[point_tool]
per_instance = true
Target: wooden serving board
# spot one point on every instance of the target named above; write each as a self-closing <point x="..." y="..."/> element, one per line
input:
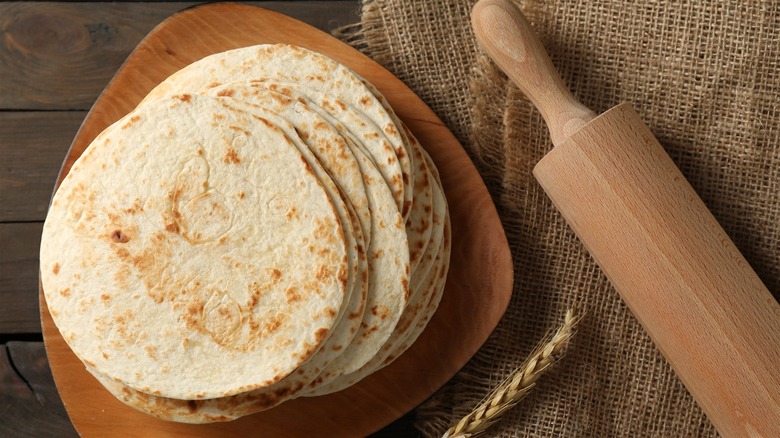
<point x="480" y="277"/>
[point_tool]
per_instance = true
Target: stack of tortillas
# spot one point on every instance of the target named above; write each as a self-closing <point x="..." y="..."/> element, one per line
<point x="261" y="227"/>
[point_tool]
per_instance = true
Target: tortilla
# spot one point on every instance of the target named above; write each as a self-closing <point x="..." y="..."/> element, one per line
<point x="320" y="140"/>
<point x="285" y="163"/>
<point x="427" y="292"/>
<point x="177" y="256"/>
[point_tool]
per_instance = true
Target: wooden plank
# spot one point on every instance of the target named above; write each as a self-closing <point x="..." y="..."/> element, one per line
<point x="29" y="404"/>
<point x="19" y="277"/>
<point x="47" y="416"/>
<point x="32" y="147"/>
<point x="61" y="55"/>
<point x="32" y="407"/>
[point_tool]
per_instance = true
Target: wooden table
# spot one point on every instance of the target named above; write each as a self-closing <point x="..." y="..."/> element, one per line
<point x="55" y="58"/>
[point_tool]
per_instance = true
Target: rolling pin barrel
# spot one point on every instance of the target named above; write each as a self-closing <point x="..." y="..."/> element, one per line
<point x="654" y="238"/>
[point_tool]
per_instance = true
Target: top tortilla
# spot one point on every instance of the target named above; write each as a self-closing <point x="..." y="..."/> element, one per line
<point x="177" y="256"/>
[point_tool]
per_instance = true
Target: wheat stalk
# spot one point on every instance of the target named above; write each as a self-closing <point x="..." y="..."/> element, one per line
<point x="515" y="387"/>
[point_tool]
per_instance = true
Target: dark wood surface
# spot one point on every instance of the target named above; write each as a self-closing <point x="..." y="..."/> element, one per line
<point x="55" y="58"/>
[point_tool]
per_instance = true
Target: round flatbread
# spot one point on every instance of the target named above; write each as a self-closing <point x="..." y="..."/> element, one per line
<point x="171" y="249"/>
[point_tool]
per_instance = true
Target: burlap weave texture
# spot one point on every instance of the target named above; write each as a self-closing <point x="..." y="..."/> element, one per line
<point x="705" y="76"/>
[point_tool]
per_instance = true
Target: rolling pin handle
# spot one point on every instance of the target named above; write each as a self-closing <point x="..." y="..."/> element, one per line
<point x="505" y="35"/>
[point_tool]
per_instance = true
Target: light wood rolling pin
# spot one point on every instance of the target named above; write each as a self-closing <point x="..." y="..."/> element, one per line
<point x="661" y="248"/>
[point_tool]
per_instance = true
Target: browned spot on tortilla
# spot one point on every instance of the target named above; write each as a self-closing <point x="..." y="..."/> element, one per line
<point x="241" y="195"/>
<point x="331" y="311"/>
<point x="122" y="253"/>
<point x="320" y="125"/>
<point x="365" y="101"/>
<point x="226" y="92"/>
<point x="135" y="208"/>
<point x="105" y="355"/>
<point x="323" y="273"/>
<point x="306" y="165"/>
<point x="131" y="121"/>
<point x="194" y="311"/>
<point x="212" y="85"/>
<point x="341" y="105"/>
<point x="272" y="324"/>
<point x="223" y="239"/>
<point x="320" y="334"/>
<point x="369" y="330"/>
<point x="275" y="275"/>
<point x="239" y="129"/>
<point x="405" y="284"/>
<point x="105" y="297"/>
<point x="391" y="131"/>
<point x="65" y="292"/>
<point x="343" y="276"/>
<point x="231" y="156"/>
<point x="264" y="121"/>
<point x="292" y="295"/>
<point x="292" y="213"/>
<point x="172" y="227"/>
<point x="56" y="269"/>
<point x="280" y="98"/>
<point x="151" y="352"/>
<point x="327" y="106"/>
<point x="396" y="180"/>
<point x="355" y="315"/>
<point x="119" y="237"/>
<point x="183" y="97"/>
<point x="378" y="253"/>
<point x="89" y="362"/>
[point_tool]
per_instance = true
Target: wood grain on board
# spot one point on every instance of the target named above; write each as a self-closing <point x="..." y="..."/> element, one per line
<point x="32" y="146"/>
<point x="30" y="405"/>
<point x="61" y="55"/>
<point x="19" y="277"/>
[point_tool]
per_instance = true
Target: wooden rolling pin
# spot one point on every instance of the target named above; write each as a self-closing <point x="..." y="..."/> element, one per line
<point x="661" y="248"/>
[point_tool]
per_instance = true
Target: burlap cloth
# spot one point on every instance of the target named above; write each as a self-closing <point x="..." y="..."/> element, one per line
<point x="705" y="76"/>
